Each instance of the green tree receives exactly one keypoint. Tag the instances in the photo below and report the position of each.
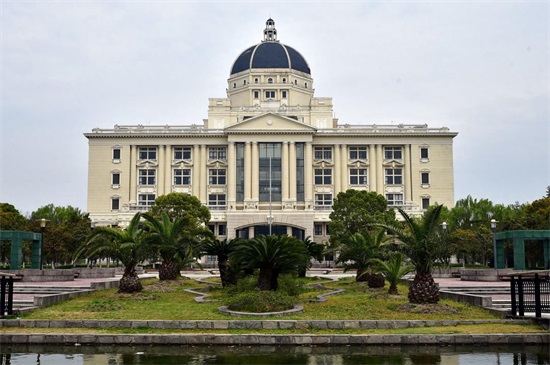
(393, 270)
(129, 246)
(359, 251)
(272, 255)
(182, 206)
(10, 220)
(419, 242)
(314, 252)
(168, 238)
(355, 210)
(537, 214)
(223, 249)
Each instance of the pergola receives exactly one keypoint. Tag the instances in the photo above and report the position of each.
(16, 239)
(518, 240)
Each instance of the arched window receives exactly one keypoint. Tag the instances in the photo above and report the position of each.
(270, 80)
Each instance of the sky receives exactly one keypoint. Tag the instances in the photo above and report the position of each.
(480, 68)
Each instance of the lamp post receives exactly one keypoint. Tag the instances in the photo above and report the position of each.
(43, 223)
(444, 227)
(494, 229)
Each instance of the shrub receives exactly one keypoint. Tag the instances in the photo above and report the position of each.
(290, 286)
(263, 301)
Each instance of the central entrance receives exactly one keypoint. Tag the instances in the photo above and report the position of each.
(276, 230)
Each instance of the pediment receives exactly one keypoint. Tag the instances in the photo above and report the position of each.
(270, 123)
(393, 163)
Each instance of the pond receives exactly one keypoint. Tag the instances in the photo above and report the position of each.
(343, 355)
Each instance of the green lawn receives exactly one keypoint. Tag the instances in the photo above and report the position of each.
(168, 301)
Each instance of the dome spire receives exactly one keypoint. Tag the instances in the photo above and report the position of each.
(270, 33)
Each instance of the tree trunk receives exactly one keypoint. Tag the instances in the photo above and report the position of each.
(168, 270)
(227, 275)
(423, 289)
(362, 275)
(393, 289)
(267, 279)
(376, 280)
(130, 283)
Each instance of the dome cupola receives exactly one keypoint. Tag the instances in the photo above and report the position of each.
(270, 54)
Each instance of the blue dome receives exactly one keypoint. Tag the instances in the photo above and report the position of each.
(270, 55)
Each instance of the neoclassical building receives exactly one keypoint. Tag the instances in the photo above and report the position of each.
(269, 157)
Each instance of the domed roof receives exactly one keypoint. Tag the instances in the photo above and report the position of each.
(270, 54)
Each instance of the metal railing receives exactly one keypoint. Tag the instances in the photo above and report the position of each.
(530, 293)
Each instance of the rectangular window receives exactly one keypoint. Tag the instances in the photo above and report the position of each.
(147, 177)
(182, 153)
(393, 153)
(182, 176)
(115, 179)
(358, 153)
(300, 192)
(283, 94)
(212, 227)
(216, 176)
(323, 176)
(116, 153)
(115, 203)
(270, 183)
(425, 203)
(146, 199)
(424, 153)
(327, 230)
(323, 201)
(358, 176)
(256, 94)
(147, 153)
(394, 199)
(318, 230)
(216, 200)
(217, 153)
(394, 176)
(240, 172)
(269, 94)
(323, 153)
(425, 178)
(222, 230)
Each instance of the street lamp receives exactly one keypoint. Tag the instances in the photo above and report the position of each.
(494, 229)
(444, 227)
(43, 223)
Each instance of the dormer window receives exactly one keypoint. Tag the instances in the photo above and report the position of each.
(234, 85)
(256, 80)
(244, 82)
(284, 80)
(305, 85)
(270, 80)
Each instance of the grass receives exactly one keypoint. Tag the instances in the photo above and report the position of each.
(168, 301)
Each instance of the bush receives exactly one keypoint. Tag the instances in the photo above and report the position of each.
(290, 286)
(261, 302)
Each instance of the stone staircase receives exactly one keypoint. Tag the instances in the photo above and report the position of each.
(499, 296)
(28, 297)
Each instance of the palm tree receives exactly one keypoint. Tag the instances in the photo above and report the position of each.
(359, 251)
(273, 255)
(129, 246)
(393, 270)
(420, 243)
(168, 238)
(222, 249)
(314, 251)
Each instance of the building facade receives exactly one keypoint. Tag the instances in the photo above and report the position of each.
(270, 157)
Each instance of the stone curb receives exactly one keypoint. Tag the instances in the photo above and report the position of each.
(245, 324)
(296, 309)
(260, 339)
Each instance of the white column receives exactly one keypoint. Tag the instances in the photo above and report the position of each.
(308, 172)
(407, 173)
(247, 172)
(336, 172)
(168, 170)
(255, 173)
(380, 170)
(203, 185)
(292, 172)
(133, 174)
(196, 173)
(371, 176)
(344, 174)
(161, 157)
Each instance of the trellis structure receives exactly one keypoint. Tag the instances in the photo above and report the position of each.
(518, 238)
(16, 240)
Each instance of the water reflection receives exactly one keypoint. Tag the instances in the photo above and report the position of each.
(205, 355)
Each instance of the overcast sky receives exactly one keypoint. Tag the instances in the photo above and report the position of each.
(480, 68)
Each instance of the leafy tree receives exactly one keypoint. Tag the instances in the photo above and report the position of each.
(420, 243)
(10, 220)
(169, 240)
(360, 251)
(394, 270)
(222, 249)
(272, 255)
(182, 206)
(314, 251)
(537, 214)
(129, 246)
(355, 210)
